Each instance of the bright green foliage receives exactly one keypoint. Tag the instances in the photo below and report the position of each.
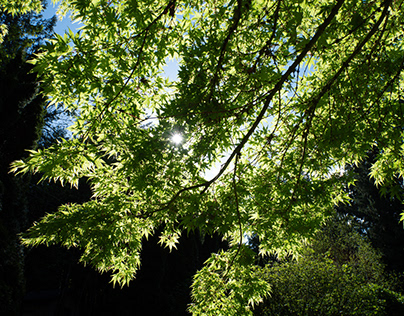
(279, 93)
(226, 283)
(20, 6)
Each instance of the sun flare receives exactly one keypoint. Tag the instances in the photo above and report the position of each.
(176, 138)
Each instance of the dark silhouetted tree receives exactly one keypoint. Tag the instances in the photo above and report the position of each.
(21, 120)
(376, 211)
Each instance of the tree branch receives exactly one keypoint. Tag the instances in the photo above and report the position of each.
(277, 87)
(232, 29)
(267, 103)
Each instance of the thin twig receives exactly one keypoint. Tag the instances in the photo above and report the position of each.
(238, 215)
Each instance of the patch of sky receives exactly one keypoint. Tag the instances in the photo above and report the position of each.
(171, 69)
(62, 23)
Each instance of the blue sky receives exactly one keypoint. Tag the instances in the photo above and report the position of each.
(61, 25)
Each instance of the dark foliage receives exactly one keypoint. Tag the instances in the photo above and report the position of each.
(21, 119)
(377, 215)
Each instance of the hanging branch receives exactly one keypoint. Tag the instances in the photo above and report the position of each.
(238, 215)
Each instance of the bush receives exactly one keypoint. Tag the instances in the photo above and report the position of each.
(338, 274)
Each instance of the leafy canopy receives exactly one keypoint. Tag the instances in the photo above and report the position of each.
(279, 94)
